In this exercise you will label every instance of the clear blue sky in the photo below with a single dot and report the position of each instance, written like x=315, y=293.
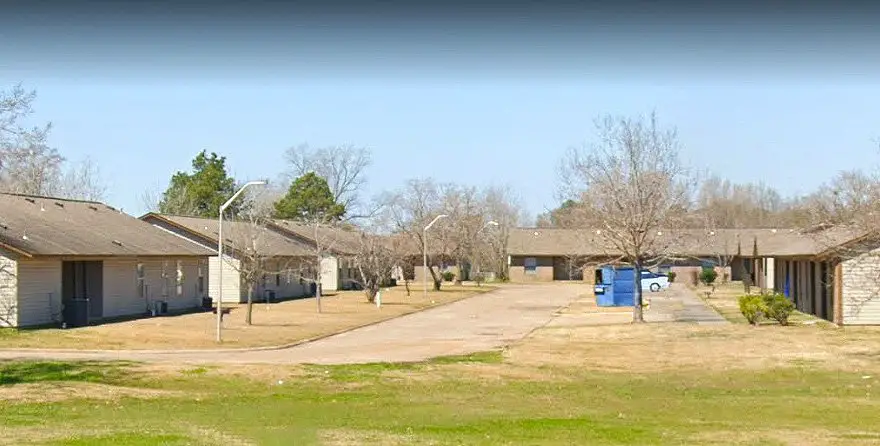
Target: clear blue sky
x=469, y=106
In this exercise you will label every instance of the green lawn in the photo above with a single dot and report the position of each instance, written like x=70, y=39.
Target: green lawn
x=464, y=400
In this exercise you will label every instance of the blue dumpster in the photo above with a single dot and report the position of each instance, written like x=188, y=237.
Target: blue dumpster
x=615, y=286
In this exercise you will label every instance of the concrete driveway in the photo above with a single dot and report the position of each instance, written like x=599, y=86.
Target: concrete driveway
x=480, y=323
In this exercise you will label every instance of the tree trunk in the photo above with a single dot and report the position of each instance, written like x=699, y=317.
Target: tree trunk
x=318, y=294
x=406, y=284
x=638, y=315
x=250, y=306
x=371, y=290
x=436, y=279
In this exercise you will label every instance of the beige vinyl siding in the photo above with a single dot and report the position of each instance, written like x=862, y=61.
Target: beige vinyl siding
x=284, y=279
x=189, y=296
x=231, y=279
x=8, y=292
x=861, y=289
x=39, y=292
x=330, y=274
x=120, y=287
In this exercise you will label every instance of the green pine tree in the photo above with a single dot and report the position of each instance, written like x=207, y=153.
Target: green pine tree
x=309, y=199
x=201, y=192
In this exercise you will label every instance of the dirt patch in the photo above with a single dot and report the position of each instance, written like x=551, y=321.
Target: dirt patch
x=787, y=437
x=55, y=392
x=214, y=436
x=350, y=437
x=262, y=373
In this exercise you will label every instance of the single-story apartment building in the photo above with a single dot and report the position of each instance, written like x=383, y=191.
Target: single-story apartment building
x=53, y=251
x=548, y=254
x=338, y=246
x=284, y=268
x=832, y=273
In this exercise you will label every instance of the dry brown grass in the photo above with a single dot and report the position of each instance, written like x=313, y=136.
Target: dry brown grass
x=351, y=437
x=815, y=437
x=589, y=337
x=52, y=392
x=274, y=324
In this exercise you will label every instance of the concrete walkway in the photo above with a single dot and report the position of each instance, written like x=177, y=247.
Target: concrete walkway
x=480, y=323
x=679, y=304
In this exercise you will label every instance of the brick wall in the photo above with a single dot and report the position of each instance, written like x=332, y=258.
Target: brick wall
x=543, y=271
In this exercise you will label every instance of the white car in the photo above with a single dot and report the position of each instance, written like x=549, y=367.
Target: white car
x=654, y=281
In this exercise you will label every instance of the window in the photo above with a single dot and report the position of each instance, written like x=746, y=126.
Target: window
x=139, y=273
x=179, y=281
x=531, y=265
x=165, y=278
x=200, y=284
x=277, y=279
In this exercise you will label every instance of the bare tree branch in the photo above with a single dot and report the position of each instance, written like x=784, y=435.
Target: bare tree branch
x=630, y=187
x=343, y=166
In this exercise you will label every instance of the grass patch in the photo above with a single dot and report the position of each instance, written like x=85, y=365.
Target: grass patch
x=14, y=372
x=490, y=357
x=588, y=408
x=128, y=439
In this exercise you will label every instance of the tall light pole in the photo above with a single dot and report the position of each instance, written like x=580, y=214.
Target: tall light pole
x=477, y=236
x=425, y=250
x=220, y=253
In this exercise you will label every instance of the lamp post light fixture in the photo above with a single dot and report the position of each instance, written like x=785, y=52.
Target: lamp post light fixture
x=425, y=251
x=220, y=253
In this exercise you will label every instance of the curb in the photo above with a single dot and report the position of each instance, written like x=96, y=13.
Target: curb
x=235, y=350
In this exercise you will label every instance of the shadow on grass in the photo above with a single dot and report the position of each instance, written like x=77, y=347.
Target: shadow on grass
x=18, y=372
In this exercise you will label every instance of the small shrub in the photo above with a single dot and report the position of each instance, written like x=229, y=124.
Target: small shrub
x=671, y=276
x=778, y=307
x=752, y=307
x=708, y=276
x=448, y=276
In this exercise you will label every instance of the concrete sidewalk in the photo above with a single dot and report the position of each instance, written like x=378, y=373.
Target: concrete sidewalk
x=480, y=323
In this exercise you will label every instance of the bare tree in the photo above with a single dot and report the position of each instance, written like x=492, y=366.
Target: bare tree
x=328, y=240
x=410, y=209
x=83, y=182
x=343, y=166
x=631, y=187
x=376, y=259
x=29, y=165
x=257, y=257
x=502, y=205
x=460, y=232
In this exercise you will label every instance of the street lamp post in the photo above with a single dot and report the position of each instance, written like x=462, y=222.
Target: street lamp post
x=220, y=254
x=425, y=250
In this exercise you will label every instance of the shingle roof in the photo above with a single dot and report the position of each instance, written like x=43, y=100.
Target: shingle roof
x=237, y=233
x=692, y=242
x=46, y=226
x=339, y=240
